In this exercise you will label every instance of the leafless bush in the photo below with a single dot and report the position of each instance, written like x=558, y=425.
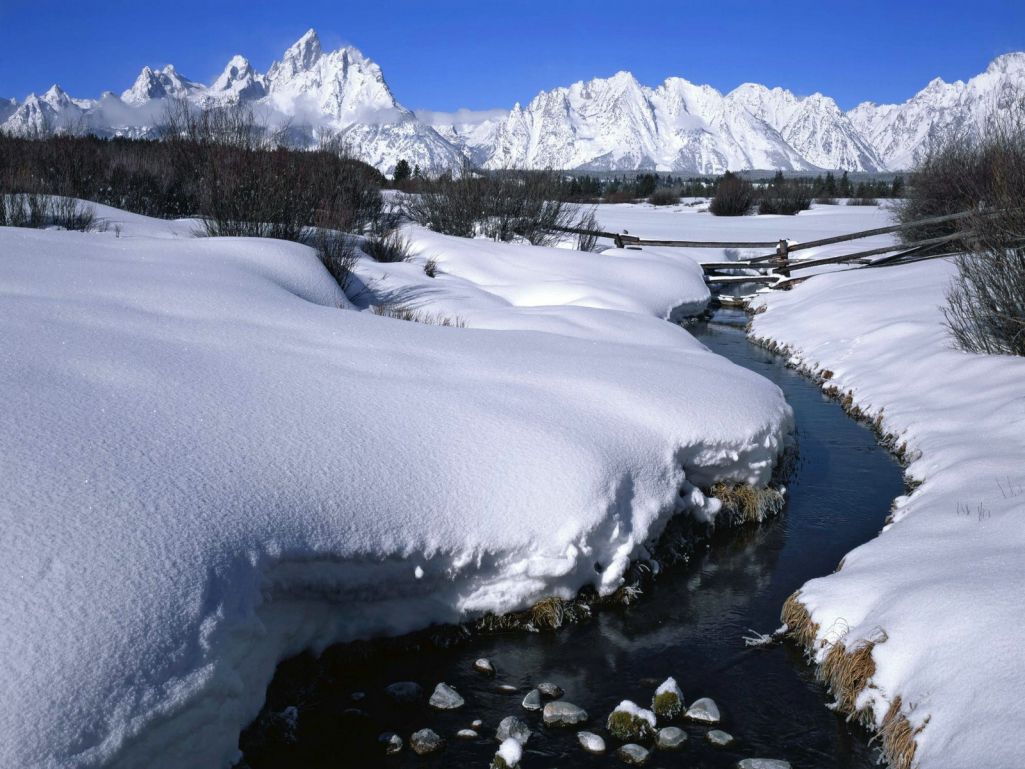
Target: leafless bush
x=985, y=309
x=71, y=215
x=338, y=253
x=733, y=196
x=501, y=205
x=664, y=197
x=862, y=202
x=784, y=196
x=826, y=201
x=38, y=210
x=588, y=223
x=951, y=178
x=390, y=246
x=417, y=315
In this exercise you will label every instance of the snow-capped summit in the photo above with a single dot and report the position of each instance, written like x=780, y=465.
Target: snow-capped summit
x=343, y=84
x=239, y=81
x=901, y=133
x=159, y=84
x=299, y=57
x=613, y=123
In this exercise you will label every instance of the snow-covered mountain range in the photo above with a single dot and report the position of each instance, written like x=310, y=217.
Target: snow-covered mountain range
x=612, y=123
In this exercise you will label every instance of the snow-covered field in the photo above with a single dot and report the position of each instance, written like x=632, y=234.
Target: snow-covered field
x=210, y=461
x=939, y=591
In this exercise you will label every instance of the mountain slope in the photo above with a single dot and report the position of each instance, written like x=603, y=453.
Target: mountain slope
x=900, y=133
x=604, y=124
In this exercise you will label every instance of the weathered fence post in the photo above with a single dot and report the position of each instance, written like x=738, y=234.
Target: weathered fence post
x=783, y=252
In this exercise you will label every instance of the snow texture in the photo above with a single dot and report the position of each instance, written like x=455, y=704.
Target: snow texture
x=940, y=588
x=211, y=462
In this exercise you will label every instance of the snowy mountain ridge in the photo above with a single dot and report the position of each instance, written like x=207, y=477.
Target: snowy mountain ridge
x=613, y=124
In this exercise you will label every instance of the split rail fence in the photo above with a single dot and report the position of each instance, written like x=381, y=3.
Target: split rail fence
x=776, y=269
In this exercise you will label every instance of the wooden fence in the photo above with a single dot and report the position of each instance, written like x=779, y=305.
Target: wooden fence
x=776, y=268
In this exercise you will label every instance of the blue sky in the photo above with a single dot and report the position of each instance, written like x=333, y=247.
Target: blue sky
x=446, y=55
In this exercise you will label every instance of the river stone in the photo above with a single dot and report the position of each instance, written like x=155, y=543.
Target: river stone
x=704, y=710
x=446, y=698
x=632, y=754
x=358, y=696
x=404, y=692
x=477, y=723
x=670, y=738
x=484, y=666
x=425, y=742
x=591, y=742
x=508, y=756
x=512, y=727
x=668, y=700
x=533, y=700
x=631, y=723
x=563, y=714
x=392, y=743
x=467, y=734
x=719, y=737
x=763, y=763
x=549, y=690
x=507, y=689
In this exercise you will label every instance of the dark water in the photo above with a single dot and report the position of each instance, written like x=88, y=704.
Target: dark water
x=689, y=625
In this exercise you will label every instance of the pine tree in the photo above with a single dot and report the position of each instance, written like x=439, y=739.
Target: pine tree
x=402, y=171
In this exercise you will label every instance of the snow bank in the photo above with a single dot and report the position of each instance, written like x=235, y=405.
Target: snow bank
x=208, y=465
x=620, y=294
x=940, y=589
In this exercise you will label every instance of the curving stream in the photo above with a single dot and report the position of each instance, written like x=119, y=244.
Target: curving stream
x=689, y=625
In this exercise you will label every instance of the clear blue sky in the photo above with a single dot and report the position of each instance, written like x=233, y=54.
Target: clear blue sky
x=444, y=55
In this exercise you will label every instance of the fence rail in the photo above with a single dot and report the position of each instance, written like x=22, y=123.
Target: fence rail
x=776, y=268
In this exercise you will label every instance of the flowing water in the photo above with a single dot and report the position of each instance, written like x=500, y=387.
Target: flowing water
x=689, y=625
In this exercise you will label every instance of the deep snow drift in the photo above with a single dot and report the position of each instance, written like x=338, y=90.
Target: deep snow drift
x=210, y=461
x=939, y=591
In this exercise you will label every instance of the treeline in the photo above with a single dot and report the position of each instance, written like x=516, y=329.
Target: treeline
x=735, y=196
x=501, y=205
x=219, y=166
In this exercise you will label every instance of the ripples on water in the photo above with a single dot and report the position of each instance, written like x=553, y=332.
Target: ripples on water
x=689, y=625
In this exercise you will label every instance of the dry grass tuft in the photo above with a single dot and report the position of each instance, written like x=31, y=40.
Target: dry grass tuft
x=548, y=613
x=743, y=503
x=898, y=737
x=800, y=626
x=847, y=672
x=406, y=312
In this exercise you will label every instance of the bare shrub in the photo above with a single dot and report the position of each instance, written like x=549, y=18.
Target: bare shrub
x=985, y=309
x=72, y=215
x=338, y=253
x=588, y=224
x=784, y=196
x=951, y=178
x=501, y=205
x=826, y=201
x=664, y=197
x=862, y=202
x=415, y=314
x=733, y=196
x=39, y=211
x=390, y=246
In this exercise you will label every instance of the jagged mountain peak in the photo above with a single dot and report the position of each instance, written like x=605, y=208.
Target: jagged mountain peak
x=238, y=81
x=299, y=57
x=1007, y=63
x=605, y=123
